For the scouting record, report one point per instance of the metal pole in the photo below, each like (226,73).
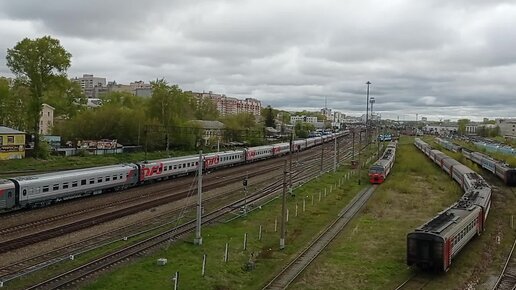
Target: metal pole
(353,146)
(367,115)
(338,151)
(322,154)
(359,147)
(176,281)
(283,208)
(245,241)
(335,156)
(244,183)
(198,237)
(203,265)
(226,253)
(260,233)
(290,161)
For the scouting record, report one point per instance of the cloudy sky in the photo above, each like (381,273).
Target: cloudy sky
(440,58)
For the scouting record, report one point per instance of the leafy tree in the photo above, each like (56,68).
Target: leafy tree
(65,96)
(13,105)
(124,99)
(36,63)
(462,125)
(205,108)
(269,117)
(302,129)
(4,96)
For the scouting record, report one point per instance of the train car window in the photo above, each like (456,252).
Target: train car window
(9,195)
(165,169)
(115,177)
(99,180)
(83,182)
(175,167)
(65,185)
(74,184)
(170,167)
(92,180)
(45,188)
(24,192)
(197,163)
(108,178)
(55,187)
(121,176)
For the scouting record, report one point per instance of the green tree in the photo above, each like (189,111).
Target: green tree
(269,117)
(65,96)
(37,63)
(4,96)
(302,129)
(462,125)
(205,108)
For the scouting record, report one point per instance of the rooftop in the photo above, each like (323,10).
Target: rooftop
(7,130)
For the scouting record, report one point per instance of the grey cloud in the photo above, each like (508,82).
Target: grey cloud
(452,58)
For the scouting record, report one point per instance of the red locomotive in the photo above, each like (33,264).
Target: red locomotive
(381,168)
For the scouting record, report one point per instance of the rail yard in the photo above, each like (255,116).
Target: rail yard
(341,232)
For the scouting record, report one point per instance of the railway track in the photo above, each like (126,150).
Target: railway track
(22,240)
(289,273)
(39,262)
(415,282)
(70,278)
(507,279)
(79,224)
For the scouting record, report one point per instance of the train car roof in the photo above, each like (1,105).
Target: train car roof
(444,221)
(70,173)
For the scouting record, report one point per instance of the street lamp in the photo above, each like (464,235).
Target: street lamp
(367,104)
(372,103)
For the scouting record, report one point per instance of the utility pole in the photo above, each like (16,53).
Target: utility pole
(244,183)
(367,114)
(198,237)
(283,207)
(338,150)
(353,146)
(359,164)
(322,154)
(290,162)
(335,156)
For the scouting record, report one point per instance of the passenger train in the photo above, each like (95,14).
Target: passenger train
(498,168)
(44,189)
(381,168)
(433,245)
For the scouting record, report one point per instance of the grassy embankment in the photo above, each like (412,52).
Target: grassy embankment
(371,252)
(186,258)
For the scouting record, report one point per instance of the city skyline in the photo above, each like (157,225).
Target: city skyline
(433,58)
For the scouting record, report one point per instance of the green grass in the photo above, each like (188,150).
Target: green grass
(61,162)
(370,253)
(186,258)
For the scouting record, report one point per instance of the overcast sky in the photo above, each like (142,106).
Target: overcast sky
(440,59)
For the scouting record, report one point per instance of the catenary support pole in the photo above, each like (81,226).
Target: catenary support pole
(198,237)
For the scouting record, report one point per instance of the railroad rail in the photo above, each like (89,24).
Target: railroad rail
(507,279)
(69,278)
(23,240)
(416,281)
(289,273)
(42,261)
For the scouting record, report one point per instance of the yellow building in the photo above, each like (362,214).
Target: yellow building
(12,144)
